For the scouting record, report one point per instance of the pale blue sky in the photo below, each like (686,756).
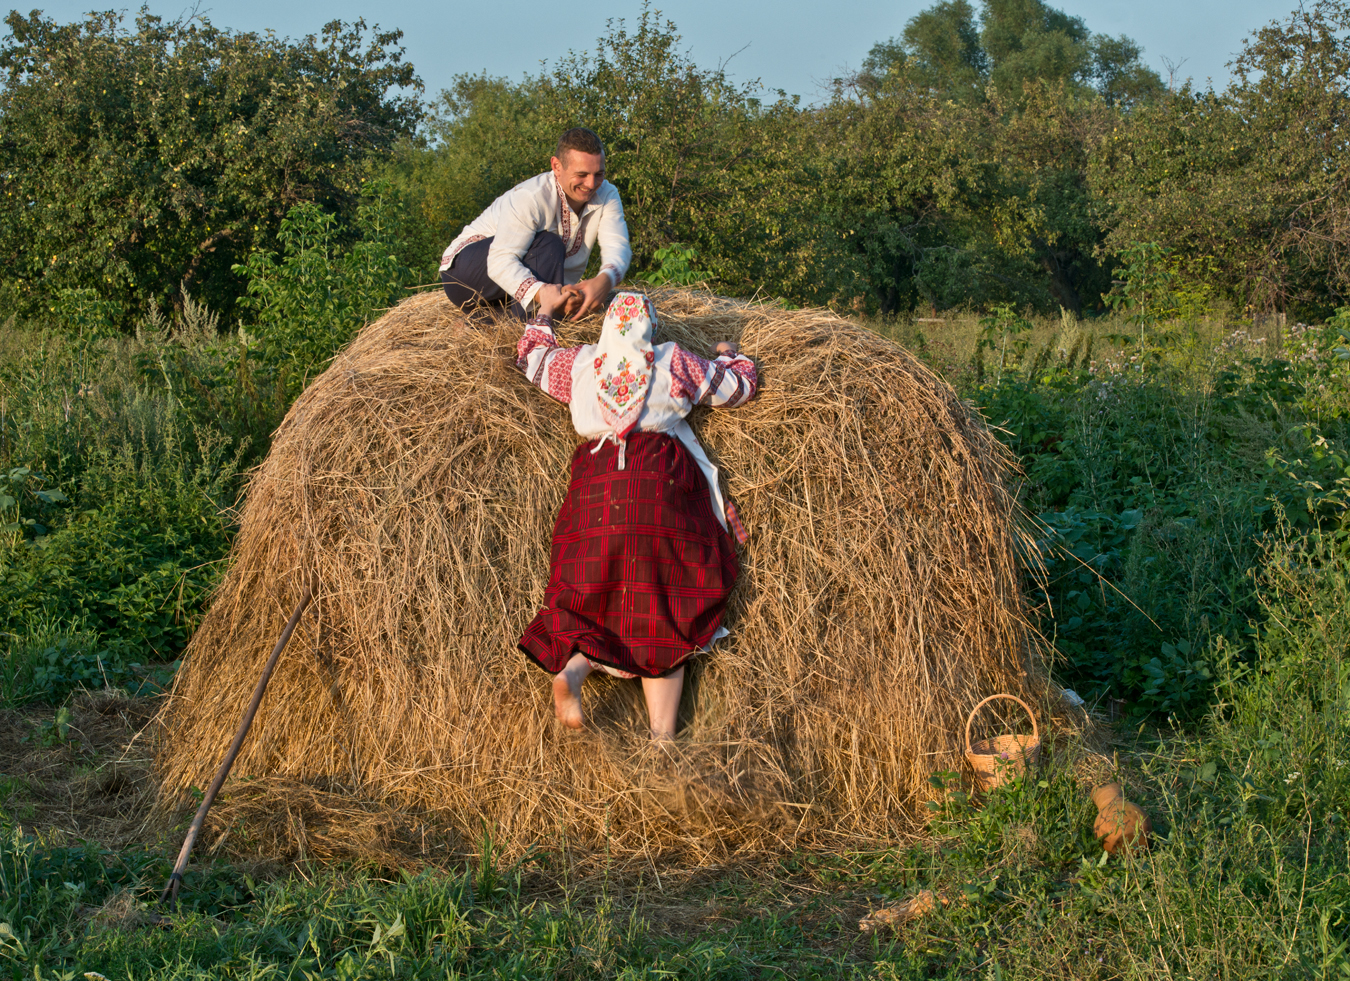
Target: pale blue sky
(788,44)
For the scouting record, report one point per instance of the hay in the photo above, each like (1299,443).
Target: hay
(416,482)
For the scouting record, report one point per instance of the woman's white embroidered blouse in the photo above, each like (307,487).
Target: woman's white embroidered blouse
(680,380)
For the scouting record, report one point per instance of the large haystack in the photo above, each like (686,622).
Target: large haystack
(416,482)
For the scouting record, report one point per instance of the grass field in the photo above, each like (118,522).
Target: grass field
(1190,482)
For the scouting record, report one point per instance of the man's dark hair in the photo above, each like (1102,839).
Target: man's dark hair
(579,138)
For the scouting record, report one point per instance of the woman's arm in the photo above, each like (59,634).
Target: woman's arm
(727,381)
(545,363)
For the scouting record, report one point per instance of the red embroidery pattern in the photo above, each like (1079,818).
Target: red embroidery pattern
(564,214)
(687,374)
(531,339)
(524,288)
(622,387)
(560,374)
(747,381)
(448,259)
(581,237)
(614,276)
(565,223)
(719,371)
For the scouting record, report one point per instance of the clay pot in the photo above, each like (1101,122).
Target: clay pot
(1120,824)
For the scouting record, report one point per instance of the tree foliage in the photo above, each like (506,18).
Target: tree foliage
(921,182)
(1012,44)
(1250,186)
(988,154)
(142,161)
(306,304)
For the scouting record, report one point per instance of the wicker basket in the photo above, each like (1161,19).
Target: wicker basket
(1001,758)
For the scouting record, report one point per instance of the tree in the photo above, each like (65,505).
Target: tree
(940,48)
(1026,40)
(967,152)
(141,162)
(1044,142)
(1015,43)
(1250,185)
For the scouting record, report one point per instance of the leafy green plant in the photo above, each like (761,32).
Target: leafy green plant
(676,266)
(1002,326)
(111,570)
(1154,472)
(17,486)
(1143,293)
(42,666)
(308,303)
(57,731)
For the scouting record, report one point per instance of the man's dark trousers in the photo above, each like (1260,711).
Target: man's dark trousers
(468,284)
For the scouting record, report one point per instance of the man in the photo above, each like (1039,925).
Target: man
(532,244)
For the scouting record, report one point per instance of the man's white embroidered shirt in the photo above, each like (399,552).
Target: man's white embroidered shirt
(539,205)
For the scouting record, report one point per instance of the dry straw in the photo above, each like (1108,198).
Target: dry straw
(415,484)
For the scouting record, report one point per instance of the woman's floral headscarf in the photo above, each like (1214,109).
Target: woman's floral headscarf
(623,364)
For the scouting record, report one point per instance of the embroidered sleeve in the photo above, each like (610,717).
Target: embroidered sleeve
(612,234)
(688,372)
(727,381)
(545,363)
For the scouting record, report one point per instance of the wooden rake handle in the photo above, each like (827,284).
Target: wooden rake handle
(1035,730)
(170,893)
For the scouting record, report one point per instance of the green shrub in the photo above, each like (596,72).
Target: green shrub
(308,304)
(133,565)
(1154,470)
(115,509)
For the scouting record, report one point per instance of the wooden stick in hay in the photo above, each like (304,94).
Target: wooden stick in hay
(418,478)
(170,893)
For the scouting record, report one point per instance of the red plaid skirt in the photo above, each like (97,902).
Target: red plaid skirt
(640,568)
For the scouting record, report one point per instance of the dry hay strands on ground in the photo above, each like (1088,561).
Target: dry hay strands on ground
(416,483)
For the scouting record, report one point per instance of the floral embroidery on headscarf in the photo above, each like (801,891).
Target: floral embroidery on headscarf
(623,385)
(626,345)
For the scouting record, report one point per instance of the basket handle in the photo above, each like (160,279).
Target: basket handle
(1035,730)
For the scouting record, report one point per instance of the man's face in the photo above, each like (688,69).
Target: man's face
(579,174)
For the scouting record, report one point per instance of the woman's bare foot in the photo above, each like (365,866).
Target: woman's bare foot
(567,692)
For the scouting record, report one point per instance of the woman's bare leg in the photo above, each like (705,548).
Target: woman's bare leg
(663,702)
(567,691)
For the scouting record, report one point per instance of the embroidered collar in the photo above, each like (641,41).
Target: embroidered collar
(566,205)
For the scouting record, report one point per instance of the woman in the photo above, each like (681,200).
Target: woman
(641,563)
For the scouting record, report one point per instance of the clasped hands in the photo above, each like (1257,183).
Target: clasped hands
(574,300)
